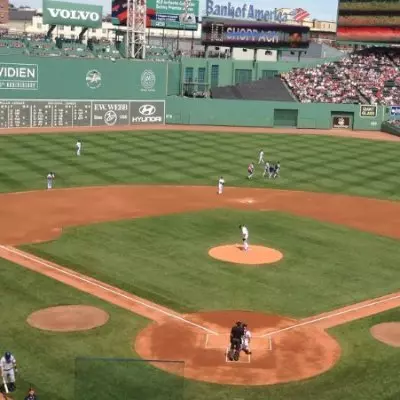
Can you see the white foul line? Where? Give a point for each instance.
(70, 273)
(313, 321)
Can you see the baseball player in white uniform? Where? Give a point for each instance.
(261, 157)
(245, 237)
(78, 147)
(266, 169)
(246, 338)
(50, 179)
(8, 366)
(221, 183)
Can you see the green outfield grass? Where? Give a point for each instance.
(367, 368)
(165, 259)
(312, 163)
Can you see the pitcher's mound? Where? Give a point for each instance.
(68, 318)
(256, 255)
(388, 333)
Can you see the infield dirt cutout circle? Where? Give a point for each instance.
(255, 255)
(287, 356)
(69, 318)
(388, 333)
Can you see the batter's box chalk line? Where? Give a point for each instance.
(218, 342)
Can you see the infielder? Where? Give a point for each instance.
(271, 170)
(78, 147)
(266, 169)
(8, 366)
(50, 179)
(245, 237)
(250, 171)
(261, 157)
(246, 338)
(221, 183)
(277, 168)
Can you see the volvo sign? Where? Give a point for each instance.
(72, 14)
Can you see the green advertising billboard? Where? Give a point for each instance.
(162, 14)
(173, 14)
(72, 14)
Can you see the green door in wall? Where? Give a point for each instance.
(285, 118)
(243, 75)
(266, 73)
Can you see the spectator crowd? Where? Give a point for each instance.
(371, 76)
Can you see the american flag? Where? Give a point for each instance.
(299, 14)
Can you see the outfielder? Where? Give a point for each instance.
(8, 366)
(245, 237)
(246, 338)
(221, 183)
(78, 147)
(50, 179)
(261, 157)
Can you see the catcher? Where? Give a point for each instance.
(246, 339)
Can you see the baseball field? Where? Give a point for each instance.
(111, 288)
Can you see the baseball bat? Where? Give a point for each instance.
(5, 385)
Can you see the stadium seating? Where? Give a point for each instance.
(11, 44)
(104, 49)
(370, 76)
(161, 54)
(42, 47)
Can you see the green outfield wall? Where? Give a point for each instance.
(73, 78)
(65, 92)
(271, 114)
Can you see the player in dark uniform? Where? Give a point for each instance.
(31, 395)
(237, 333)
(271, 170)
(277, 168)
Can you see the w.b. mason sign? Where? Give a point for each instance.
(72, 14)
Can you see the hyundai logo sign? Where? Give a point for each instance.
(147, 110)
(148, 113)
